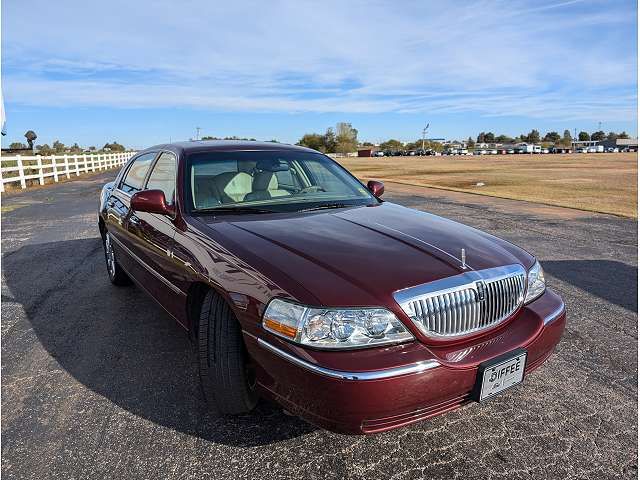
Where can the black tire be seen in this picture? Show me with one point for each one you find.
(226, 371)
(117, 275)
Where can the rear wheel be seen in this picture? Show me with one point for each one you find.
(227, 375)
(116, 274)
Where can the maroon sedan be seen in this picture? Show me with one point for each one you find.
(300, 284)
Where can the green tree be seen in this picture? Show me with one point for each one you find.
(17, 145)
(623, 135)
(533, 136)
(481, 138)
(489, 137)
(392, 145)
(584, 136)
(314, 141)
(435, 146)
(346, 138)
(553, 137)
(329, 141)
(470, 143)
(598, 136)
(45, 149)
(114, 147)
(567, 138)
(504, 139)
(612, 136)
(58, 146)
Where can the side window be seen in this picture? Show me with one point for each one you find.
(163, 176)
(134, 178)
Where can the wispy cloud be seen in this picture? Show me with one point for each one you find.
(571, 59)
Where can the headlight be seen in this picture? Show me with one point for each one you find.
(535, 283)
(333, 327)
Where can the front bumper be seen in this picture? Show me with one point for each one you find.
(380, 389)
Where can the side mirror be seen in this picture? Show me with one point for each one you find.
(151, 201)
(375, 187)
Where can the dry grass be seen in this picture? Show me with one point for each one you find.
(595, 182)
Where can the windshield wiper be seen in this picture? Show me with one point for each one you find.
(326, 206)
(236, 209)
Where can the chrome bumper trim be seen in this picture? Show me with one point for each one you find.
(367, 375)
(554, 315)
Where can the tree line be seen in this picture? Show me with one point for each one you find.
(343, 139)
(550, 137)
(58, 148)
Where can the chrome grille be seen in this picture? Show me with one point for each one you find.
(465, 303)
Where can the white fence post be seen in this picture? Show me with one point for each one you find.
(23, 182)
(54, 162)
(40, 172)
(77, 165)
(66, 165)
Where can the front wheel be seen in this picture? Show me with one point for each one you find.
(116, 274)
(227, 375)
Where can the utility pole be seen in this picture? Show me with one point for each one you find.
(424, 133)
(198, 133)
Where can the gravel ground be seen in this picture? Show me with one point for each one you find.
(98, 382)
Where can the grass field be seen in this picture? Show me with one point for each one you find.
(595, 182)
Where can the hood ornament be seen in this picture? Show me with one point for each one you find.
(463, 259)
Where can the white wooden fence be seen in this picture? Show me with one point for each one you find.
(21, 168)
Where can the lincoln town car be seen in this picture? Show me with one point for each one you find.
(299, 284)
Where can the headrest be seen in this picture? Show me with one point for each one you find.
(272, 165)
(264, 181)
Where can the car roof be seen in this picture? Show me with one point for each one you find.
(226, 146)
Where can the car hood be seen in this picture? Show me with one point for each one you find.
(359, 256)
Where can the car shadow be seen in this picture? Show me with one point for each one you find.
(119, 343)
(613, 281)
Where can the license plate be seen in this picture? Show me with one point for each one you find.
(500, 373)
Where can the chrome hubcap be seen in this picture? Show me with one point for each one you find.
(111, 259)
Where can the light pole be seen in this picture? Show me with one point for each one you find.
(424, 133)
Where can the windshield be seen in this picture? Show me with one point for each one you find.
(270, 181)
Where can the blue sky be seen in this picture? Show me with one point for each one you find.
(143, 72)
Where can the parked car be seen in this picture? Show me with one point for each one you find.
(591, 150)
(544, 150)
(600, 148)
(612, 150)
(511, 151)
(299, 284)
(493, 152)
(582, 150)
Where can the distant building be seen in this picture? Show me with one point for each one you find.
(621, 143)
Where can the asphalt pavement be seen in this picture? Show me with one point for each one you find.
(98, 382)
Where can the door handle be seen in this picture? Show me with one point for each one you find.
(111, 203)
